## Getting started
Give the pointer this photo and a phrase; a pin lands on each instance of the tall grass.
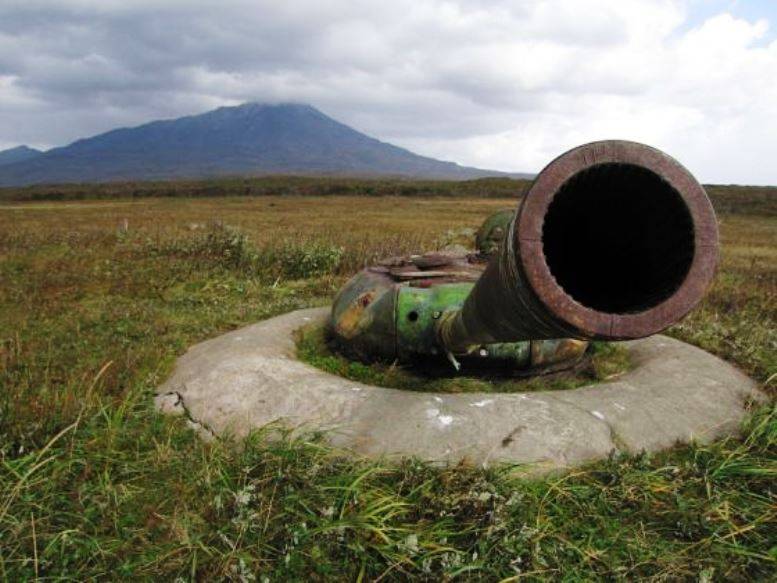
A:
(94, 484)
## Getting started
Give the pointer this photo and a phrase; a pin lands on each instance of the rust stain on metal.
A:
(547, 352)
(354, 318)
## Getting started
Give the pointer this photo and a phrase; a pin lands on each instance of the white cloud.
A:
(492, 83)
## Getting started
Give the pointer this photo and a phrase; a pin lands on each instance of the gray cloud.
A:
(491, 83)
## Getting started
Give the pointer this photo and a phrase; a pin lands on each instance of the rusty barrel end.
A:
(613, 240)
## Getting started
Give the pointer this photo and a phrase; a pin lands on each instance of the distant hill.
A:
(18, 154)
(250, 139)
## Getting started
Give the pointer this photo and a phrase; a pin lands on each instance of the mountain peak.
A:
(22, 148)
(252, 138)
(255, 110)
(18, 154)
(259, 106)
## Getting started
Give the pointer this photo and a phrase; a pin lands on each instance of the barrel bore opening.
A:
(618, 238)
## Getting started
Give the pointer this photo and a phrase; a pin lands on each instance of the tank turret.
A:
(613, 240)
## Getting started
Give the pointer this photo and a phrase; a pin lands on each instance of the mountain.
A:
(249, 139)
(18, 154)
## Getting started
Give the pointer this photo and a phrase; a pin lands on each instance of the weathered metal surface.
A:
(392, 311)
(612, 217)
(547, 354)
(492, 232)
(418, 311)
(614, 240)
(363, 316)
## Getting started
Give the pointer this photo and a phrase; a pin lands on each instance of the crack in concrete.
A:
(618, 443)
(510, 437)
(198, 426)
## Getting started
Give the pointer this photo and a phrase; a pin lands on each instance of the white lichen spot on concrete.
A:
(482, 403)
(438, 399)
(598, 415)
(443, 420)
(619, 407)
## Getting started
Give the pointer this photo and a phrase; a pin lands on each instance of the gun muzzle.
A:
(614, 240)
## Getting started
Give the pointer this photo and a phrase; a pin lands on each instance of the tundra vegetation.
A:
(98, 298)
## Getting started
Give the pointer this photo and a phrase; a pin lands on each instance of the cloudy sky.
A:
(490, 83)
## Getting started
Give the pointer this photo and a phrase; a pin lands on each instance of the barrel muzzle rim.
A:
(586, 322)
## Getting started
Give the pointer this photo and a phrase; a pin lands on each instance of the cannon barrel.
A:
(613, 240)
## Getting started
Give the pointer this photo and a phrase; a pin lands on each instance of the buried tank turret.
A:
(613, 240)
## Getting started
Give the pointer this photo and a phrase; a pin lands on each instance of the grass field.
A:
(98, 297)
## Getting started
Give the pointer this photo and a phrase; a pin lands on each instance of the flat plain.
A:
(98, 297)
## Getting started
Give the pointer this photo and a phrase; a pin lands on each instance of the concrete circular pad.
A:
(249, 378)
